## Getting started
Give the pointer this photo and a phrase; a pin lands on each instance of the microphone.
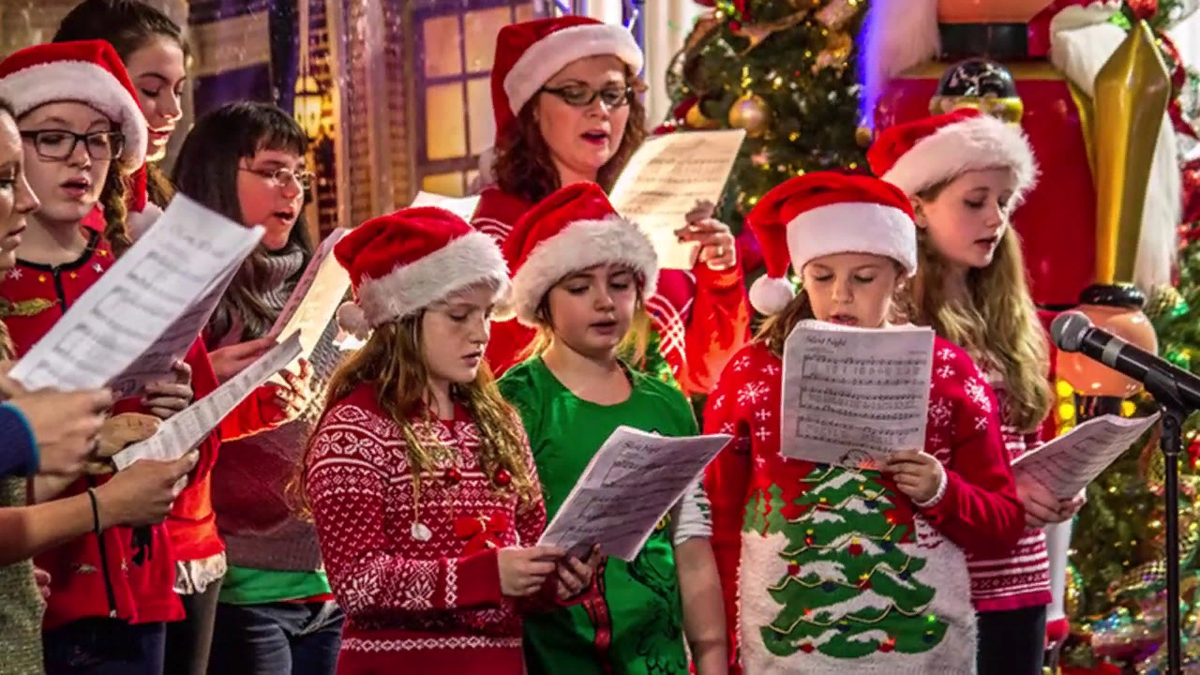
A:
(1074, 332)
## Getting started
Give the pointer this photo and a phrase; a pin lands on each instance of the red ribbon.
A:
(484, 532)
(1143, 10)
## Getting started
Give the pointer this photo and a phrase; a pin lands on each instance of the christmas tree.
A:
(783, 70)
(861, 587)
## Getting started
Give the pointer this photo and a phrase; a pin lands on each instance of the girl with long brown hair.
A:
(565, 97)
(419, 475)
(965, 173)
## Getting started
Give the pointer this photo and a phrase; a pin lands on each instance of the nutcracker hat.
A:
(405, 261)
(529, 53)
(571, 230)
(87, 71)
(824, 213)
(921, 154)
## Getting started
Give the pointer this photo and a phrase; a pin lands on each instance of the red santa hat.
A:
(821, 214)
(572, 229)
(410, 259)
(920, 154)
(529, 53)
(87, 72)
(142, 212)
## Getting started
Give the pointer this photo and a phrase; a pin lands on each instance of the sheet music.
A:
(666, 177)
(316, 297)
(178, 435)
(127, 312)
(463, 207)
(1065, 465)
(631, 483)
(852, 396)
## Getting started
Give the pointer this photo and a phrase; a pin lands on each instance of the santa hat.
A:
(920, 154)
(821, 214)
(87, 72)
(142, 212)
(529, 53)
(410, 259)
(572, 229)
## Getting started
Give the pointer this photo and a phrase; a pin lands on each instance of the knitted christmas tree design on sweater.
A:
(859, 587)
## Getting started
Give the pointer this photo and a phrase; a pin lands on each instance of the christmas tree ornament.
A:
(695, 118)
(836, 53)
(750, 112)
(863, 136)
(756, 33)
(838, 13)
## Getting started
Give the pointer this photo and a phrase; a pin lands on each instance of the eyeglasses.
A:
(282, 177)
(59, 144)
(581, 96)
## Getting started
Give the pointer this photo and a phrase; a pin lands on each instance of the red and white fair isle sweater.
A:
(417, 603)
(768, 510)
(702, 317)
(1021, 577)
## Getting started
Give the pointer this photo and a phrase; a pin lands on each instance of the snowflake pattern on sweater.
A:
(836, 568)
(419, 581)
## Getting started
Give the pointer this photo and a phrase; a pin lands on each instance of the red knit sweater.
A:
(106, 576)
(702, 316)
(979, 511)
(418, 604)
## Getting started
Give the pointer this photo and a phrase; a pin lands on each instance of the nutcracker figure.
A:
(1092, 99)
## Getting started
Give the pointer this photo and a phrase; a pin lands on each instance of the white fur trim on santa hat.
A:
(853, 227)
(1080, 47)
(554, 52)
(982, 142)
(581, 245)
(468, 260)
(896, 35)
(87, 83)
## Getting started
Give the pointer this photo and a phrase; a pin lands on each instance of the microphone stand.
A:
(1166, 393)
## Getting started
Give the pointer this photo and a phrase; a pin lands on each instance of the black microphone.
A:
(1074, 332)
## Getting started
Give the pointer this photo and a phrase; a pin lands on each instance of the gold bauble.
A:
(696, 120)
(750, 112)
(864, 136)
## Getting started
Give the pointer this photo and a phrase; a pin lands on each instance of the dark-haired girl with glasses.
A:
(565, 97)
(82, 133)
(275, 614)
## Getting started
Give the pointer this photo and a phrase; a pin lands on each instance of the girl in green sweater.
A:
(580, 272)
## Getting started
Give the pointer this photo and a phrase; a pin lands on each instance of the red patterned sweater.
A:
(796, 536)
(702, 317)
(1021, 577)
(422, 604)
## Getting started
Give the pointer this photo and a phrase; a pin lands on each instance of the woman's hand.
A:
(291, 400)
(231, 360)
(718, 248)
(1043, 508)
(523, 571)
(42, 578)
(574, 576)
(916, 473)
(165, 399)
(143, 493)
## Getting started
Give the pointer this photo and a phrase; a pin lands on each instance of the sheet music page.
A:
(178, 435)
(631, 483)
(126, 312)
(666, 177)
(316, 297)
(463, 207)
(173, 344)
(852, 396)
(1065, 465)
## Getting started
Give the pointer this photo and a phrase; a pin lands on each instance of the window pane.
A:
(481, 29)
(479, 112)
(525, 11)
(448, 184)
(442, 54)
(445, 137)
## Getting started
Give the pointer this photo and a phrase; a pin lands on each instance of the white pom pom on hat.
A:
(825, 213)
(352, 319)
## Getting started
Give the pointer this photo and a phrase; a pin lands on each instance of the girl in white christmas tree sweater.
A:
(829, 569)
(965, 173)
(419, 476)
